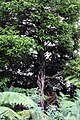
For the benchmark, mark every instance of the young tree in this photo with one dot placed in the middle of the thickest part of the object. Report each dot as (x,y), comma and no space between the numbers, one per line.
(51,23)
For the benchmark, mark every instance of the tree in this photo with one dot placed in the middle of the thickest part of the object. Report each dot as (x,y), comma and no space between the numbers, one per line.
(49,23)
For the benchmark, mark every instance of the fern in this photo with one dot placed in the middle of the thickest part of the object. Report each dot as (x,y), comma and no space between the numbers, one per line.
(70,109)
(33,93)
(14,98)
(6,112)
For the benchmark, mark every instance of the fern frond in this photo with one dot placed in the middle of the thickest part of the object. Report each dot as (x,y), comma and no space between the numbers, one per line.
(14,98)
(9,113)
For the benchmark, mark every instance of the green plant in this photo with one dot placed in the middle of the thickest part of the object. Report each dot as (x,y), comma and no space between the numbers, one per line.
(72,71)
(72,68)
(15,46)
(68,109)
(32,93)
(11,99)
(74,80)
(3,83)
(8,114)
(14,98)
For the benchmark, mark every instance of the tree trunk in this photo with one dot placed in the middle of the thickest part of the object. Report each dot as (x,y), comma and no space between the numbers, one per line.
(41,75)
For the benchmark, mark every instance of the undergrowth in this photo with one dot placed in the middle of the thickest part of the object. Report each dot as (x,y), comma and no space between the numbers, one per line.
(69,109)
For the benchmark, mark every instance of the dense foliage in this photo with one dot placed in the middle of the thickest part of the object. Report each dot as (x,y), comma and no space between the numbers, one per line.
(50,23)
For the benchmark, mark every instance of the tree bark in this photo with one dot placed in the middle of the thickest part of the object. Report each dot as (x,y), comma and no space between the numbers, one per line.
(41,75)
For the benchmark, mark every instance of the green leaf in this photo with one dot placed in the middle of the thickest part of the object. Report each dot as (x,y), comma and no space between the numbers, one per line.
(9,113)
(13,98)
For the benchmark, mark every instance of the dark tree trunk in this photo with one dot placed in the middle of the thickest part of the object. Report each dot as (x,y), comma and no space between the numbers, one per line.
(41,75)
